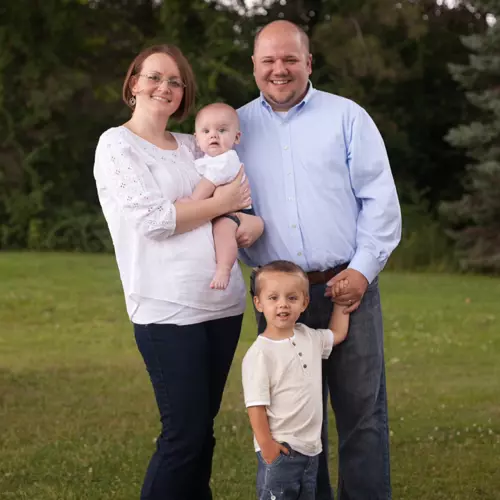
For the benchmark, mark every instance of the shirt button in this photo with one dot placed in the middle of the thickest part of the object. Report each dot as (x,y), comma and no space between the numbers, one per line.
(290,198)
(286,147)
(289,173)
(294,226)
(299,253)
(305,366)
(300,354)
(293,343)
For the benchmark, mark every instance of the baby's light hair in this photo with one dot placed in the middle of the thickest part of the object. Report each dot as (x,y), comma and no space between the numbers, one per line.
(219,106)
(279,266)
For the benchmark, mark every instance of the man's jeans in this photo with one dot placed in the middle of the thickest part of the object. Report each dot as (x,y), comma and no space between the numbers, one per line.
(355,376)
(289,477)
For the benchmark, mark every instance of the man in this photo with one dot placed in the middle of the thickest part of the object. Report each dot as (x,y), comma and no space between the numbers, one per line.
(321,181)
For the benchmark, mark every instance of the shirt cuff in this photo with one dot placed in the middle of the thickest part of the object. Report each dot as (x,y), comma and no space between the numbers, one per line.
(366,264)
(257,403)
(327,350)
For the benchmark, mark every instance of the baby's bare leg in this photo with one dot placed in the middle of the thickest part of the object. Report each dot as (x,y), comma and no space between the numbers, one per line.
(226,251)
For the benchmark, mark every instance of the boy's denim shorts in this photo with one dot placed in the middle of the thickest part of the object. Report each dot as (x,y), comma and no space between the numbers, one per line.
(289,477)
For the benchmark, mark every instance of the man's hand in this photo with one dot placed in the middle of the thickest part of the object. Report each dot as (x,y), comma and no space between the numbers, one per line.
(352,293)
(271,451)
(250,229)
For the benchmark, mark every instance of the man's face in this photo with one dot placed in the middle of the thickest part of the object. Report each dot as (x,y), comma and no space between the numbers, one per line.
(281,68)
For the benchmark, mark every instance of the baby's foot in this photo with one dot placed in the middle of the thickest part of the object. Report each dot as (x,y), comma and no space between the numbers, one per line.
(221,278)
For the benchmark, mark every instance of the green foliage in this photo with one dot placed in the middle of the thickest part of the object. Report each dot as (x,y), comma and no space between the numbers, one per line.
(474,220)
(62,65)
(424,244)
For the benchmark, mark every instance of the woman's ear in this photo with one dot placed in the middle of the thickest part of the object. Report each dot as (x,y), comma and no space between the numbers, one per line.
(134,81)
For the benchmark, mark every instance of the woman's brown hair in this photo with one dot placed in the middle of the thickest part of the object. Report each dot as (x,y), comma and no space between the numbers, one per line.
(185,69)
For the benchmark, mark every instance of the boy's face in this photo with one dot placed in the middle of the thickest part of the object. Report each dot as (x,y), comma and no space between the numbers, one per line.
(216,130)
(282,298)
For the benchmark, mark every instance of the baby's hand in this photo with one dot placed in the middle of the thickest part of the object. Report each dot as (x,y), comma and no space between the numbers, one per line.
(339,287)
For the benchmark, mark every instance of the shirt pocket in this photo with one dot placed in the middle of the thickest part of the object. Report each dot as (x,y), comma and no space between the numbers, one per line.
(323,162)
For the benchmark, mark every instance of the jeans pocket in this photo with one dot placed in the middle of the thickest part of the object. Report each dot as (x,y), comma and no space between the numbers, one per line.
(276,461)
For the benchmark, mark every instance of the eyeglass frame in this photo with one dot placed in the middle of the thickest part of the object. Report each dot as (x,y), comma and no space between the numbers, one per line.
(161,80)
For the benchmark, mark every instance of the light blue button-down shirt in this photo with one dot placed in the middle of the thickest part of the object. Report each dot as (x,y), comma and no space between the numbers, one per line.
(322,182)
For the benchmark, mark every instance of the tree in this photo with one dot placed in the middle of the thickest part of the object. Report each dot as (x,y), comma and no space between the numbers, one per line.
(475,218)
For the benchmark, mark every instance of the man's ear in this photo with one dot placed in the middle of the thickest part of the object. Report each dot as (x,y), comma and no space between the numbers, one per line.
(309,63)
(257,304)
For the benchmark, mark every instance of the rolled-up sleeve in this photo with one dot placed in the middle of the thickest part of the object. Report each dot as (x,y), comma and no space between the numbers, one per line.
(379,221)
(121,175)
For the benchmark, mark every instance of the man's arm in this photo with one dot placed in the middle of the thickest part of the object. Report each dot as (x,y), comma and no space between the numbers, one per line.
(250,230)
(378,230)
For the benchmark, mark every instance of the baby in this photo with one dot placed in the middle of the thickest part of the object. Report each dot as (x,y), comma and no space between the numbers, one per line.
(217,129)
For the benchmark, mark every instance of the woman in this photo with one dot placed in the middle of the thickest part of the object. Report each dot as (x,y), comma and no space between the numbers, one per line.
(186,332)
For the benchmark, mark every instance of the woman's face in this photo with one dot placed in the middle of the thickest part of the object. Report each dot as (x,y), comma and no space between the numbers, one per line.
(158,88)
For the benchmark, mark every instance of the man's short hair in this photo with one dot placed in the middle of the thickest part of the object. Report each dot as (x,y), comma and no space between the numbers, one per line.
(304,37)
(278,266)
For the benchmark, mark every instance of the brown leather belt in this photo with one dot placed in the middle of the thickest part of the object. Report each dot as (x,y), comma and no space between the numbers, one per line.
(322,277)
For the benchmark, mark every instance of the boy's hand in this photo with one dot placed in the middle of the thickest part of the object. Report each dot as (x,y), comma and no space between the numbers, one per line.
(272,451)
(339,287)
(353,293)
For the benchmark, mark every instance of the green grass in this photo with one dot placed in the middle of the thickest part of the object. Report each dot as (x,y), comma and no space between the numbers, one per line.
(78,419)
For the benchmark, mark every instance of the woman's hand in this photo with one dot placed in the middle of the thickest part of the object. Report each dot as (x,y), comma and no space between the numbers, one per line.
(250,229)
(235,195)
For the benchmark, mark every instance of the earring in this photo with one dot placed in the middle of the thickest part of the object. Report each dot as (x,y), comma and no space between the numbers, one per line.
(132,101)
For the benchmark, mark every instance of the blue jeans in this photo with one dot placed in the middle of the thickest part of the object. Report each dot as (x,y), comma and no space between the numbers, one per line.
(188,367)
(289,477)
(354,374)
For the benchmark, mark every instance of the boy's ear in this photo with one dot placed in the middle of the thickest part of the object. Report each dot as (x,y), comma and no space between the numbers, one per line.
(306,302)
(238,137)
(256,302)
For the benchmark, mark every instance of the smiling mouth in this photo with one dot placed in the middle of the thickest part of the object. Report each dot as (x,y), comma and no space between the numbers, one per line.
(279,82)
(283,315)
(161,99)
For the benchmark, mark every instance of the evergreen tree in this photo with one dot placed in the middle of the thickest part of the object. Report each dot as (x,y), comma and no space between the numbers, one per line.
(475,218)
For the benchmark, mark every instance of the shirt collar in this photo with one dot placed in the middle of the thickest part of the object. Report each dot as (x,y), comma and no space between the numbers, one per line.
(299,105)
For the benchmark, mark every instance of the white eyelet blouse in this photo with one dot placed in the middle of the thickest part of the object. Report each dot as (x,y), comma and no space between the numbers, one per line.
(165,276)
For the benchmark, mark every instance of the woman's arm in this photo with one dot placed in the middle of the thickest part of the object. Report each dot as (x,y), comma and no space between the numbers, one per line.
(126,178)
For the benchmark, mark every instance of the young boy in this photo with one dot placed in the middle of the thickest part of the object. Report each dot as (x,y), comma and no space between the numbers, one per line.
(217,129)
(282,383)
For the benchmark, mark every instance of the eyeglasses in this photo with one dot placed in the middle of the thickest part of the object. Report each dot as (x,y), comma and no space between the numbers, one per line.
(172,83)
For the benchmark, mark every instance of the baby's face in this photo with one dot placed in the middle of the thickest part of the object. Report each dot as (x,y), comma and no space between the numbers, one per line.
(217,130)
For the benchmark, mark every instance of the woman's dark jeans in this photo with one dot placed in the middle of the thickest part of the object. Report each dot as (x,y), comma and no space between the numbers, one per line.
(188,367)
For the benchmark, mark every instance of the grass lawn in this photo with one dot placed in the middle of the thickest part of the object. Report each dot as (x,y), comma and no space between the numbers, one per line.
(78,418)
